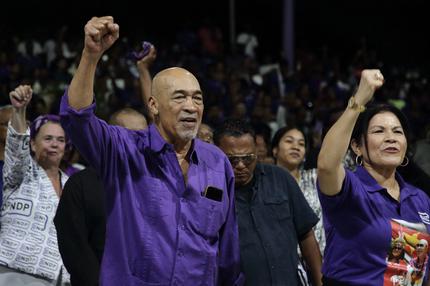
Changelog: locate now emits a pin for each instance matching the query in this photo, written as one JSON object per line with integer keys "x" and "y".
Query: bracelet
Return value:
{"x": 352, "y": 104}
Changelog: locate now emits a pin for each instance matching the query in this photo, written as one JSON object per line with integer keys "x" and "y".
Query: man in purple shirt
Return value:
{"x": 170, "y": 201}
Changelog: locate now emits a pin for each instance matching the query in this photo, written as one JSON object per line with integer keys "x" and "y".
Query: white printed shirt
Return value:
{"x": 28, "y": 238}
{"x": 308, "y": 185}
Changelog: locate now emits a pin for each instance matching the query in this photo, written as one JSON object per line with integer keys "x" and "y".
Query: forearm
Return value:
{"x": 18, "y": 120}
{"x": 336, "y": 141}
{"x": 145, "y": 84}
{"x": 17, "y": 158}
{"x": 80, "y": 91}
{"x": 145, "y": 87}
{"x": 312, "y": 256}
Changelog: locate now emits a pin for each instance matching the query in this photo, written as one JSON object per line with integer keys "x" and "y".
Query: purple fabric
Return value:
{"x": 40, "y": 121}
{"x": 160, "y": 231}
{"x": 146, "y": 47}
{"x": 357, "y": 222}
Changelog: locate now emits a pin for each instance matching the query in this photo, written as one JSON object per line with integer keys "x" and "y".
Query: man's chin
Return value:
{"x": 187, "y": 136}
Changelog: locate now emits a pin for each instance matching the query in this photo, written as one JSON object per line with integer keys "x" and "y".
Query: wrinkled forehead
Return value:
{"x": 233, "y": 145}
{"x": 176, "y": 80}
{"x": 385, "y": 118}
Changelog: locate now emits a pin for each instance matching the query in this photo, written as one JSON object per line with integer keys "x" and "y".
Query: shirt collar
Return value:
{"x": 373, "y": 186}
{"x": 157, "y": 143}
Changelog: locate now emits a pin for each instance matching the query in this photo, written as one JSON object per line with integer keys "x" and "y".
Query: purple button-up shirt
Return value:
{"x": 358, "y": 225}
{"x": 160, "y": 231}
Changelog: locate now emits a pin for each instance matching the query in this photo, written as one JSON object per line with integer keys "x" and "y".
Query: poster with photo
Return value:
{"x": 407, "y": 257}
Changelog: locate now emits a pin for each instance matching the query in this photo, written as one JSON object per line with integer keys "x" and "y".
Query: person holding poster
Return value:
{"x": 376, "y": 224}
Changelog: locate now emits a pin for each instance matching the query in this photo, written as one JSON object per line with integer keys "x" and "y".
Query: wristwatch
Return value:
{"x": 352, "y": 104}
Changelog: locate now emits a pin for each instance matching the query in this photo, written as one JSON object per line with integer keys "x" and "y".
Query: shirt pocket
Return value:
{"x": 206, "y": 216}
{"x": 279, "y": 207}
{"x": 152, "y": 197}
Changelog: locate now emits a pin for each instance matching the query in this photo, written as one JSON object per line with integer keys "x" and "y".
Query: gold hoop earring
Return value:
{"x": 403, "y": 163}
{"x": 358, "y": 160}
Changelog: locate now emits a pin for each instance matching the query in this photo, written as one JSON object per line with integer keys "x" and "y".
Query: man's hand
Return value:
{"x": 147, "y": 60}
{"x": 100, "y": 34}
{"x": 370, "y": 81}
{"x": 21, "y": 96}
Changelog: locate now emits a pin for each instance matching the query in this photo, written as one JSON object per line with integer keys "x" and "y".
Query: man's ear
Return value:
{"x": 356, "y": 147}
{"x": 275, "y": 152}
{"x": 153, "y": 105}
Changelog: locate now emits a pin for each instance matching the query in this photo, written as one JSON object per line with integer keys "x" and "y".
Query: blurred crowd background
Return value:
{"x": 245, "y": 76}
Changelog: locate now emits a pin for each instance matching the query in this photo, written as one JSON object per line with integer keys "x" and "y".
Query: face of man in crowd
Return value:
{"x": 177, "y": 104}
{"x": 205, "y": 133}
{"x": 290, "y": 151}
{"x": 421, "y": 248}
{"x": 241, "y": 152}
{"x": 386, "y": 142}
{"x": 49, "y": 144}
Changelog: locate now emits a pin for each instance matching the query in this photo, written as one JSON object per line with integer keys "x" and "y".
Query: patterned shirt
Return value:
{"x": 308, "y": 185}
{"x": 28, "y": 239}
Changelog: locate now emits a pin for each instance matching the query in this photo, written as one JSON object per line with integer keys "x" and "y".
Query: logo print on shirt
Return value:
{"x": 424, "y": 217}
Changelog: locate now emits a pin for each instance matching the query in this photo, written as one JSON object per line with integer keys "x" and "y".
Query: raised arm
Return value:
{"x": 100, "y": 34}
{"x": 335, "y": 144}
{"x": 17, "y": 154}
{"x": 145, "y": 79}
{"x": 20, "y": 97}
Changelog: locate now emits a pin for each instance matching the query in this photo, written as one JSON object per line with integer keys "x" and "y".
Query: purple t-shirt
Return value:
{"x": 160, "y": 231}
{"x": 363, "y": 220}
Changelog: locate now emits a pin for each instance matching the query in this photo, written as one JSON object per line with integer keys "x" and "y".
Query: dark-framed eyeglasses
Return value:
{"x": 420, "y": 245}
{"x": 397, "y": 247}
{"x": 245, "y": 159}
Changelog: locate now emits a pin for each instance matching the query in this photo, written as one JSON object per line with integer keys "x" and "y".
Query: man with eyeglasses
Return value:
{"x": 417, "y": 265}
{"x": 273, "y": 215}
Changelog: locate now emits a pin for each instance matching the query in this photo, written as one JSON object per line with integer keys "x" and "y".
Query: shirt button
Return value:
{"x": 183, "y": 200}
{"x": 182, "y": 226}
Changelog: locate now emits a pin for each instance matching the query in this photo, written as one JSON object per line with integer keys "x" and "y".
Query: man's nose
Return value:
{"x": 190, "y": 105}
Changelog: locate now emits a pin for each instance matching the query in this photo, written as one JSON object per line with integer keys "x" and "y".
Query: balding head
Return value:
{"x": 167, "y": 78}
{"x": 177, "y": 104}
{"x": 129, "y": 118}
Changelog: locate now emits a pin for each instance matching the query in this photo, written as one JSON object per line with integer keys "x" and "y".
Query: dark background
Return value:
{"x": 396, "y": 30}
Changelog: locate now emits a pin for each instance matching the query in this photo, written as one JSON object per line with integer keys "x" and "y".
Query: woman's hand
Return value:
{"x": 20, "y": 97}
{"x": 370, "y": 81}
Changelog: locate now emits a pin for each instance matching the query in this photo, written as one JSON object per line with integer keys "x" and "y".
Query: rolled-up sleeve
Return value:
{"x": 96, "y": 141}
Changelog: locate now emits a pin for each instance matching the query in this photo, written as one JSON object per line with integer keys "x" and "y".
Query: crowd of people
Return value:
{"x": 220, "y": 169}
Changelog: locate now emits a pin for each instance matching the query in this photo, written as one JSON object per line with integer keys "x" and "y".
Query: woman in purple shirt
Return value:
{"x": 364, "y": 211}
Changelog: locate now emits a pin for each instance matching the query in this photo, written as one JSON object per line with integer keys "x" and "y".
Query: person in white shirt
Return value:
{"x": 33, "y": 183}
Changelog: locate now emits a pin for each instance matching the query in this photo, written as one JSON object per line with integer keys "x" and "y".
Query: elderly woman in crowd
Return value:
{"x": 362, "y": 208}
{"x": 33, "y": 183}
